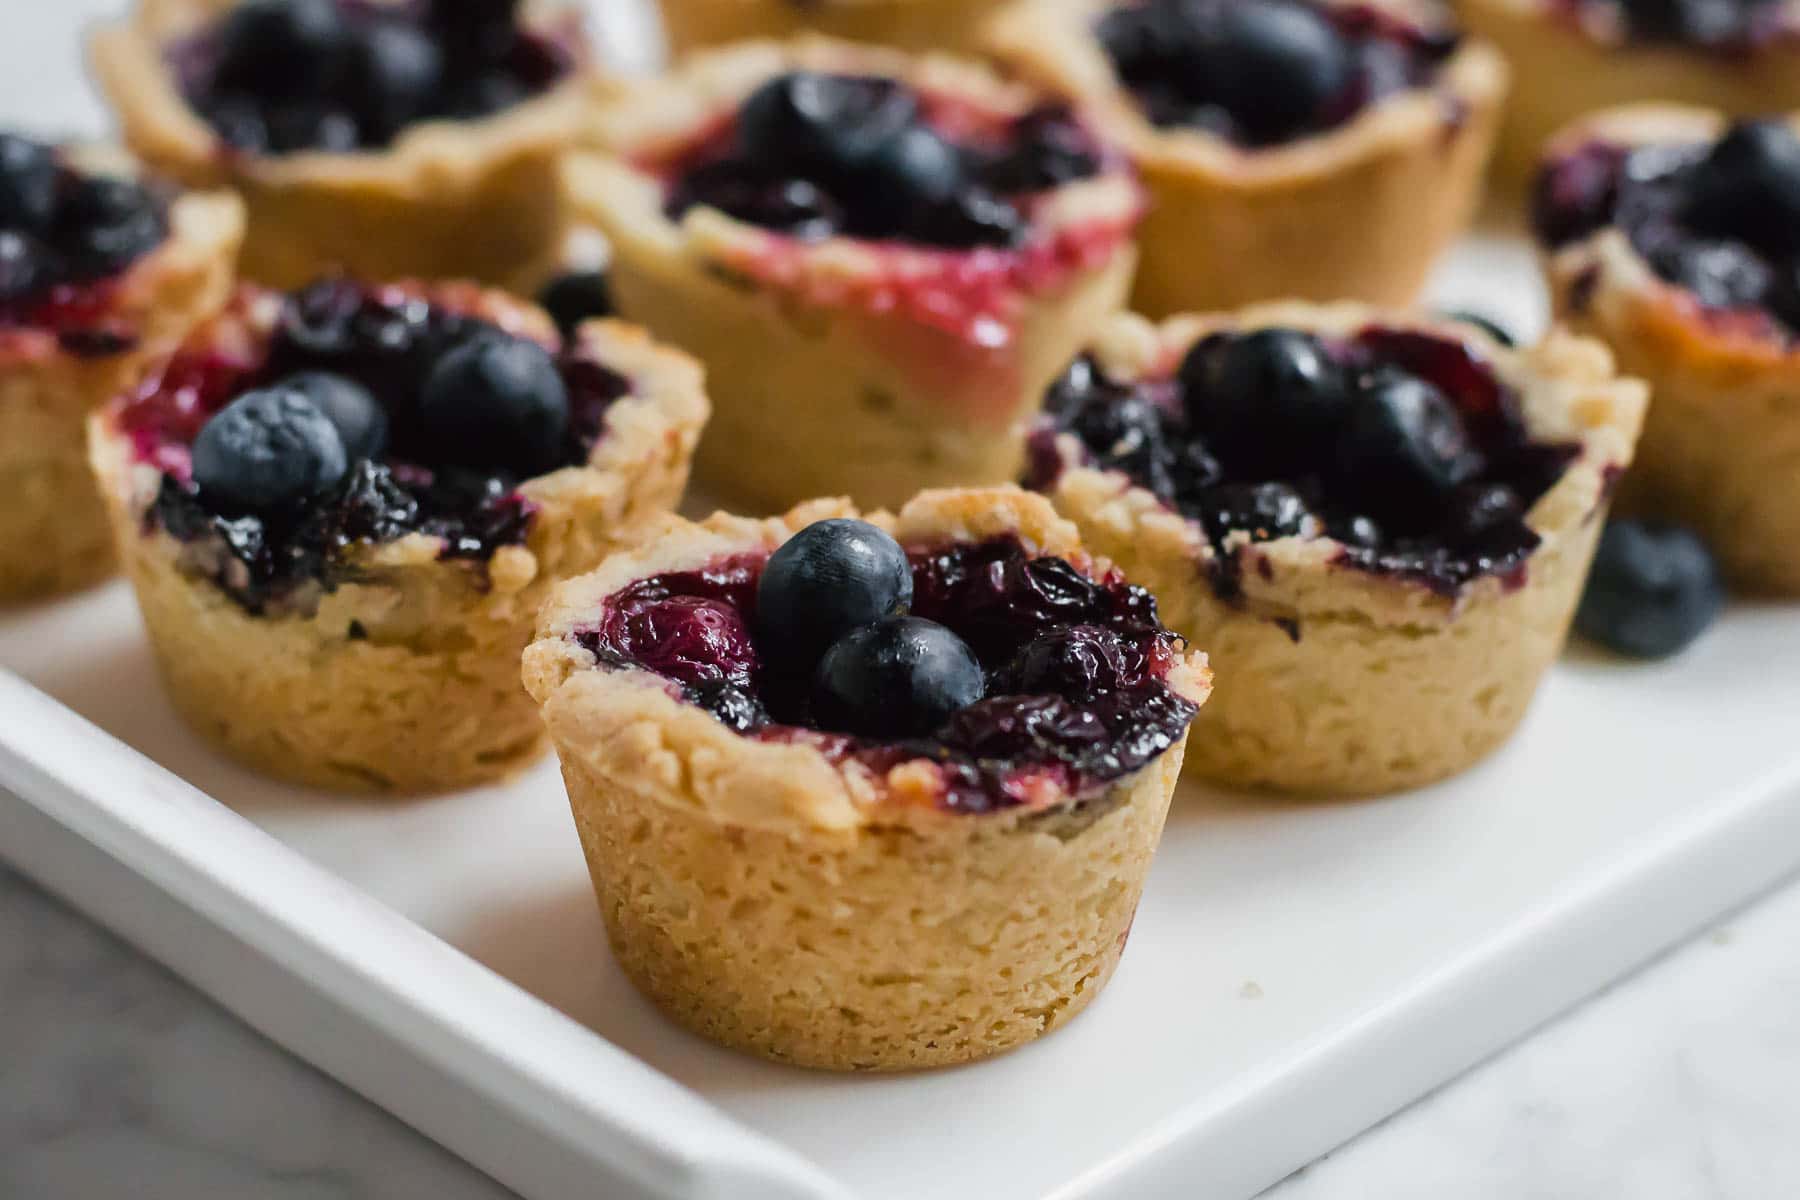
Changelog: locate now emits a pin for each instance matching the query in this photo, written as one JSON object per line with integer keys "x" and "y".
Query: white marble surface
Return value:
{"x": 116, "y": 1080}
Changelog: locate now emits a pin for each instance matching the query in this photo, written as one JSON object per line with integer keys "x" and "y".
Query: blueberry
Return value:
{"x": 27, "y": 183}
{"x": 267, "y": 451}
{"x": 360, "y": 419}
{"x": 487, "y": 93}
{"x": 1050, "y": 148}
{"x": 899, "y": 677}
{"x": 281, "y": 47}
{"x": 731, "y": 704}
{"x": 1079, "y": 663}
{"x": 23, "y": 269}
{"x": 915, "y": 169}
{"x": 1276, "y": 67}
{"x": 826, "y": 580}
{"x": 793, "y": 207}
{"x": 1479, "y": 509}
{"x": 1749, "y": 186}
{"x": 1127, "y": 435}
{"x": 1486, "y": 324}
{"x": 1654, "y": 589}
{"x": 575, "y": 297}
{"x": 496, "y": 402}
{"x": 107, "y": 224}
{"x": 972, "y": 217}
{"x": 1265, "y": 511}
{"x": 1720, "y": 274}
{"x": 297, "y": 127}
{"x": 1266, "y": 398}
{"x": 1701, "y": 22}
{"x": 823, "y": 126}
{"x": 393, "y": 75}
{"x": 1358, "y": 531}
{"x": 1405, "y": 445}
{"x": 239, "y": 122}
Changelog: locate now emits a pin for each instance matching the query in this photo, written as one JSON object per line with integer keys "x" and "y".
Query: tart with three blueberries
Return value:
{"x": 867, "y": 794}
{"x": 1581, "y": 56}
{"x": 954, "y": 25}
{"x": 1673, "y": 236}
{"x": 1310, "y": 149}
{"x": 99, "y": 274}
{"x": 341, "y": 509}
{"x": 389, "y": 139}
{"x": 881, "y": 260}
{"x": 1377, "y": 526}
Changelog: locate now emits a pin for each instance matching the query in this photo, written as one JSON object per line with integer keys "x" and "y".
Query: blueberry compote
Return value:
{"x": 369, "y": 414}
{"x": 1721, "y": 220}
{"x": 282, "y": 76}
{"x": 1725, "y": 26}
{"x": 1262, "y": 72}
{"x": 814, "y": 155}
{"x": 1020, "y": 677}
{"x": 63, "y": 234}
{"x": 1403, "y": 446}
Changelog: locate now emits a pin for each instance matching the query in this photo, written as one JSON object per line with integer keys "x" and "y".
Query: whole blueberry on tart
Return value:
{"x": 99, "y": 274}
{"x": 388, "y": 139}
{"x": 1673, "y": 235}
{"x": 1320, "y": 149}
{"x": 340, "y": 508}
{"x": 810, "y": 755}
{"x": 1582, "y": 56}
{"x": 880, "y": 259}
{"x": 955, "y": 26}
{"x": 1376, "y": 524}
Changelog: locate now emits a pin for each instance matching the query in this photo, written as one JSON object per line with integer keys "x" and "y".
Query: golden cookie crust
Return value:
{"x": 814, "y": 912}
{"x": 1571, "y": 71}
{"x": 1333, "y": 679}
{"x": 956, "y": 26}
{"x": 816, "y": 394}
{"x": 53, "y": 530}
{"x": 1361, "y": 212}
{"x": 406, "y": 678}
{"x": 1721, "y": 445}
{"x": 448, "y": 200}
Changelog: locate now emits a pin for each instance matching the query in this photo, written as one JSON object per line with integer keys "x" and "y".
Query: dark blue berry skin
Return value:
{"x": 575, "y": 297}
{"x": 107, "y": 224}
{"x": 496, "y": 403}
{"x": 1078, "y": 663}
{"x": 361, "y": 420}
{"x": 22, "y": 266}
{"x": 1265, "y": 391}
{"x": 1654, "y": 588}
{"x": 899, "y": 677}
{"x": 1405, "y": 445}
{"x": 282, "y": 47}
{"x": 915, "y": 168}
{"x": 266, "y": 452}
{"x": 1275, "y": 66}
{"x": 823, "y": 126}
{"x": 394, "y": 72}
{"x": 826, "y": 580}
{"x": 27, "y": 184}
{"x": 1749, "y": 186}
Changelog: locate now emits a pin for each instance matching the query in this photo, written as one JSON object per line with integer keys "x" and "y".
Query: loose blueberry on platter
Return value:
{"x": 999, "y": 666}
{"x": 1654, "y": 588}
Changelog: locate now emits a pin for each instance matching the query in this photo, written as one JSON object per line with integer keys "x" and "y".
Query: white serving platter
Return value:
{"x": 1296, "y": 971}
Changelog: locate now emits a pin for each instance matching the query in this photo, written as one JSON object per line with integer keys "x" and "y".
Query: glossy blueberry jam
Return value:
{"x": 284, "y": 76}
{"x": 1731, "y": 27}
{"x": 813, "y": 156}
{"x": 386, "y": 340}
{"x": 1717, "y": 220}
{"x": 1403, "y": 446}
{"x": 1074, "y": 667}
{"x": 1262, "y": 72}
{"x": 64, "y": 236}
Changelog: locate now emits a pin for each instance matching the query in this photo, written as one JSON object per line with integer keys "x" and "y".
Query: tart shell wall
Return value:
{"x": 955, "y": 25}
{"x": 404, "y": 679}
{"x": 1567, "y": 74}
{"x": 1362, "y": 212}
{"x": 788, "y": 907}
{"x": 1379, "y": 683}
{"x": 450, "y": 199}
{"x": 1721, "y": 444}
{"x": 53, "y": 528}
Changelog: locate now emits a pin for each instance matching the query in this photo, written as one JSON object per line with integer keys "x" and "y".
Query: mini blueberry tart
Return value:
{"x": 99, "y": 275}
{"x": 918, "y": 25}
{"x": 1378, "y": 526}
{"x": 390, "y": 139}
{"x": 881, "y": 260}
{"x": 1312, "y": 149}
{"x": 1675, "y": 239}
{"x": 342, "y": 508}
{"x": 1581, "y": 56}
{"x": 867, "y": 795}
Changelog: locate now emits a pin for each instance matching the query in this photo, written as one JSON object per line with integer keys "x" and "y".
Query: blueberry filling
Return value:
{"x": 1727, "y": 26}
{"x": 1402, "y": 446}
{"x": 61, "y": 232}
{"x": 1262, "y": 72}
{"x": 1001, "y": 668}
{"x": 282, "y": 76}
{"x": 369, "y": 415}
{"x": 814, "y": 155}
{"x": 1720, "y": 220}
